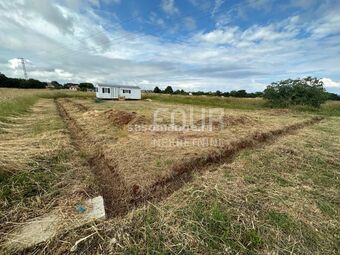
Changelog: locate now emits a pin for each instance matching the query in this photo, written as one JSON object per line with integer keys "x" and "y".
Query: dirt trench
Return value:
{"x": 183, "y": 172}
{"x": 79, "y": 106}
{"x": 105, "y": 173}
{"x": 119, "y": 200}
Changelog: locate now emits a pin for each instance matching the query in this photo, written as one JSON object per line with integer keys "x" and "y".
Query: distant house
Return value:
{"x": 50, "y": 86}
{"x": 110, "y": 91}
{"x": 74, "y": 87}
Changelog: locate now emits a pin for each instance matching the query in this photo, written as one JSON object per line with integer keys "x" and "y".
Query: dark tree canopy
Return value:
{"x": 7, "y": 82}
{"x": 157, "y": 90}
{"x": 57, "y": 85}
{"x": 306, "y": 91}
{"x": 168, "y": 90}
{"x": 68, "y": 85}
{"x": 218, "y": 93}
{"x": 333, "y": 96}
{"x": 84, "y": 86}
{"x": 238, "y": 93}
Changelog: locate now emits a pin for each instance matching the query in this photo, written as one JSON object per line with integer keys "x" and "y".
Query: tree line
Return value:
{"x": 306, "y": 91}
{"x": 7, "y": 82}
{"x": 233, "y": 93}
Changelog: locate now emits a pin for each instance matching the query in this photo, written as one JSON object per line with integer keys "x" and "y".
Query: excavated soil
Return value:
{"x": 121, "y": 118}
{"x": 120, "y": 200}
{"x": 111, "y": 184}
{"x": 182, "y": 172}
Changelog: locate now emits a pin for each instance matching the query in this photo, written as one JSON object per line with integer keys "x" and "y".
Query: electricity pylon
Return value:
{"x": 23, "y": 67}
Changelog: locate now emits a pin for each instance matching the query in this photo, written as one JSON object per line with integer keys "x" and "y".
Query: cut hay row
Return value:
{"x": 79, "y": 106}
{"x": 119, "y": 199}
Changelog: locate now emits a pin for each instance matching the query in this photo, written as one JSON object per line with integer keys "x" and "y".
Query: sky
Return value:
{"x": 193, "y": 45}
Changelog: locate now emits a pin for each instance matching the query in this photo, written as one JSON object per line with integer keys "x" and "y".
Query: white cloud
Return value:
{"x": 301, "y": 3}
{"x": 330, "y": 83}
{"x": 225, "y": 35}
{"x": 154, "y": 19}
{"x": 286, "y": 29}
{"x": 227, "y": 57}
{"x": 63, "y": 74}
{"x": 14, "y": 63}
{"x": 201, "y": 4}
{"x": 326, "y": 26}
{"x": 189, "y": 23}
{"x": 260, "y": 4}
{"x": 169, "y": 6}
{"x": 218, "y": 4}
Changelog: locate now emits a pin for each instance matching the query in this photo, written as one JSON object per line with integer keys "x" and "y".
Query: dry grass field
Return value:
{"x": 260, "y": 181}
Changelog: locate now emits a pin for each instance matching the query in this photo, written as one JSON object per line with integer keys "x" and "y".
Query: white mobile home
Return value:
{"x": 108, "y": 91}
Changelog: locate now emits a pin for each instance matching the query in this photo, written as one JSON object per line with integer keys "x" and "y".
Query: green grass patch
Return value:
{"x": 282, "y": 181}
{"x": 67, "y": 94}
{"x": 217, "y": 228}
{"x": 281, "y": 221}
{"x": 330, "y": 108}
{"x": 37, "y": 180}
{"x": 16, "y": 106}
{"x": 327, "y": 208}
{"x": 14, "y": 102}
{"x": 210, "y": 101}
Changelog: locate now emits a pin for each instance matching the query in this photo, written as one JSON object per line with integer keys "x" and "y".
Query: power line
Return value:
{"x": 24, "y": 67}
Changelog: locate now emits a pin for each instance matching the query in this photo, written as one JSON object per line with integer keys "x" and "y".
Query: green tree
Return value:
{"x": 333, "y": 96}
{"x": 168, "y": 90}
{"x": 56, "y": 85}
{"x": 3, "y": 80}
{"x": 157, "y": 90}
{"x": 20, "y": 83}
{"x": 306, "y": 91}
{"x": 242, "y": 93}
{"x": 182, "y": 92}
{"x": 218, "y": 93}
{"x": 68, "y": 85}
{"x": 84, "y": 86}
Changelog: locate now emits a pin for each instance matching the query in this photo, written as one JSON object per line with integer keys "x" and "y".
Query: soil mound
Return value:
{"x": 120, "y": 118}
{"x": 139, "y": 120}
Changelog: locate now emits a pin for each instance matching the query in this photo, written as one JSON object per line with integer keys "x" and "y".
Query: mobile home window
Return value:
{"x": 106, "y": 90}
{"x": 127, "y": 91}
{"x": 96, "y": 89}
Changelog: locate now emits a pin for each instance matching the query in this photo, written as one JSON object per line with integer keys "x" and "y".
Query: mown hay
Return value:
{"x": 225, "y": 121}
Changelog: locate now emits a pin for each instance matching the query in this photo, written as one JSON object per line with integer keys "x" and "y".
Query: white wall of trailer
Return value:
{"x": 130, "y": 93}
{"x": 108, "y": 92}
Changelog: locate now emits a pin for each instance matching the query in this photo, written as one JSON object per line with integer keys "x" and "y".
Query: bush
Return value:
{"x": 306, "y": 91}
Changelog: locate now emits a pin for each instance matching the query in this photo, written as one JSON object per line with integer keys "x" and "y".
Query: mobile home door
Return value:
{"x": 115, "y": 92}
